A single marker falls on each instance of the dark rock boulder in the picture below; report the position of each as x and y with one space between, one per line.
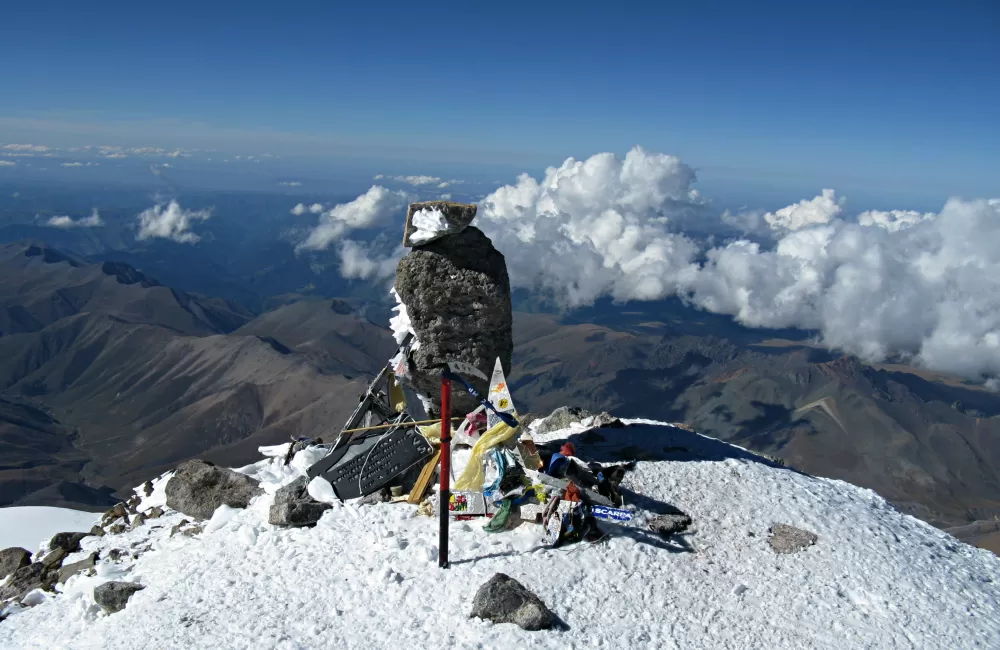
294 507
28 578
457 296
561 418
115 513
12 559
53 559
197 488
667 525
789 539
505 600
67 571
112 596
604 420
69 542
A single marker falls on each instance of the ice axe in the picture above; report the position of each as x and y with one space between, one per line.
451 371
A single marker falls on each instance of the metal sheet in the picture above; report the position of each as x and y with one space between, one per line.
368 464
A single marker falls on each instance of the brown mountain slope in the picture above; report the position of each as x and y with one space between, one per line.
328 333
114 378
41 286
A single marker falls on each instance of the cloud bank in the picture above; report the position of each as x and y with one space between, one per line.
925 287
36 148
93 221
419 181
371 209
170 221
898 284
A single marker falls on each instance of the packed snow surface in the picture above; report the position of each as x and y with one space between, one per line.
31 526
367 576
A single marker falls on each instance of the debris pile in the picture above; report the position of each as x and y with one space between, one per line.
453 323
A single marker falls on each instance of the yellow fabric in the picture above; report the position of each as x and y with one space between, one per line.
396 395
432 432
473 477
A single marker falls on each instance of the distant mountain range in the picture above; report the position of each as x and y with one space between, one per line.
107 378
928 443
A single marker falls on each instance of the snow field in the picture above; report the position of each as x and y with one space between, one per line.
30 527
367 576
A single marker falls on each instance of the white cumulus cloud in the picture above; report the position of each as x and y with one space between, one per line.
884 284
417 181
596 227
7 163
893 220
302 208
368 210
819 210
290 183
367 261
170 221
79 164
93 221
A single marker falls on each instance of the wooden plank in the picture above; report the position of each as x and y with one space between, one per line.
424 480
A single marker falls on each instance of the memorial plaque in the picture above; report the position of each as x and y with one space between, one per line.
368 464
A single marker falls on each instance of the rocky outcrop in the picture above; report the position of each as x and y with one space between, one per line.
28 578
294 507
789 539
197 488
67 571
12 559
112 596
561 418
505 600
667 525
564 416
457 296
69 542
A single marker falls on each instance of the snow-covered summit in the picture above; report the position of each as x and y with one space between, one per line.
367 576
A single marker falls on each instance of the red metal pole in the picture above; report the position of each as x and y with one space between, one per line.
445 492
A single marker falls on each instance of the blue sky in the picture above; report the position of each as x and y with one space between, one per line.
900 96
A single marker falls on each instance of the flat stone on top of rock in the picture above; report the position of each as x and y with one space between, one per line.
789 539
198 488
430 220
503 599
